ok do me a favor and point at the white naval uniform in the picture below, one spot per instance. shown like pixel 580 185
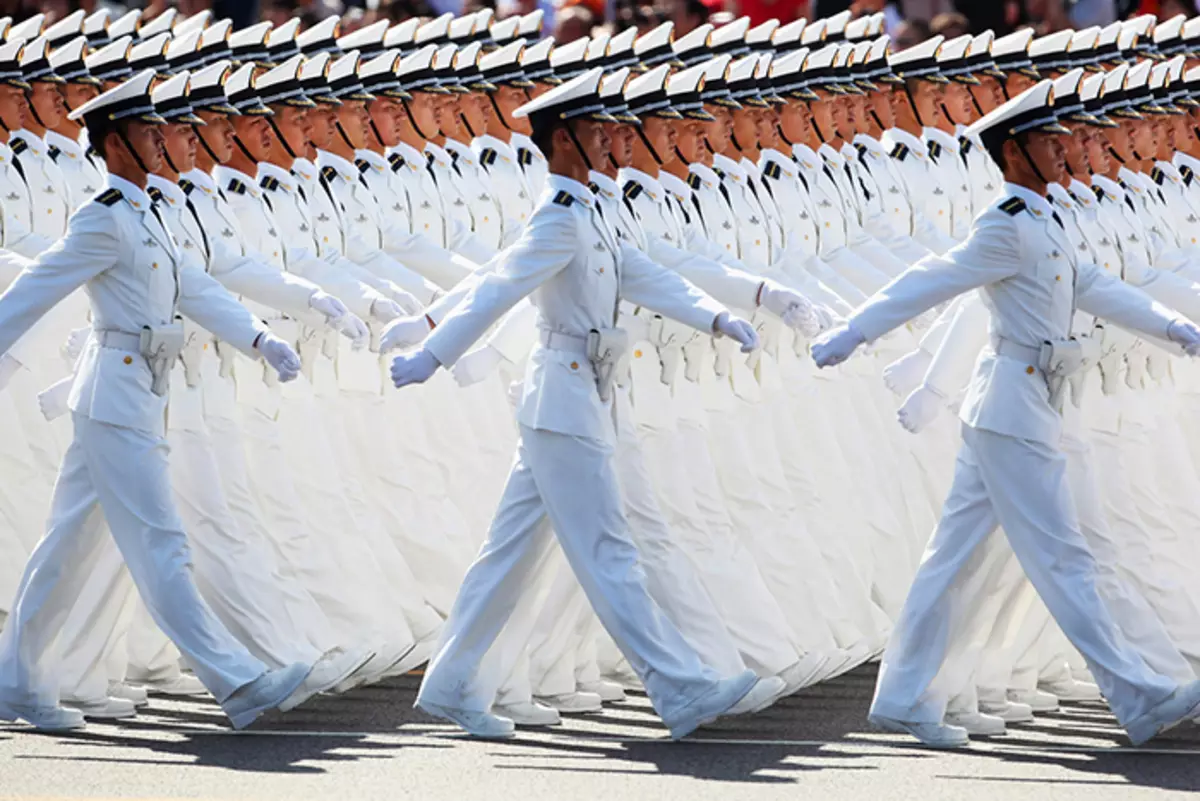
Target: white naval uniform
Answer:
pixel 508 182
pixel 916 173
pixel 576 269
pixel 490 221
pixel 84 177
pixel 532 162
pixel 1010 470
pixel 950 171
pixel 117 462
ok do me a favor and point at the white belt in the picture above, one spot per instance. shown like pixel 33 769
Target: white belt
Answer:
pixel 571 343
pixel 119 340
pixel 1015 350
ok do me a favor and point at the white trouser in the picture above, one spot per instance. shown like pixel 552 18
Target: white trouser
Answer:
pixel 1022 486
pixel 562 486
pixel 121 476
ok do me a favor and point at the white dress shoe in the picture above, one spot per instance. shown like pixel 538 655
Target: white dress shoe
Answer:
pixel 1072 690
pixel 1037 700
pixel 1007 711
pixel 46 718
pixel 626 680
pixel 484 725
pixel 804 673
pixel 1181 705
pixel 576 703
pixel 764 693
pixel 376 668
pixel 718 701
pixel 120 689
pixel 528 713
pixel 268 691
pixel 334 666
pixel 976 724
pixel 609 692
pixel 180 685
pixel 102 708
pixel 935 735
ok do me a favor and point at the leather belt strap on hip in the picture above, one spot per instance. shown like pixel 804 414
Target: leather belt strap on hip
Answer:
pixel 119 340
pixel 1015 350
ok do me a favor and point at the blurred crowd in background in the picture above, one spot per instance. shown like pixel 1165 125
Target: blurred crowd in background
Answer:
pixel 908 21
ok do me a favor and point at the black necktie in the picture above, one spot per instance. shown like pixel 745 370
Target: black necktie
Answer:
pixel 1058 220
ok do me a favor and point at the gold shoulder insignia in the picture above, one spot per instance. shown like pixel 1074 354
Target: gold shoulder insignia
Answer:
pixel 525 155
pixel 632 189
pixel 487 156
pixel 19 146
pixel 899 152
pixel 328 173
pixel 564 198
pixel 187 186
pixel 772 170
pixel 1012 206
pixel 237 187
pixel 109 197
pixel 693 180
pixel 397 161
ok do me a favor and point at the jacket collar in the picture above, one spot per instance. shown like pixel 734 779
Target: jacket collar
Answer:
pixel 344 168
pixel 287 181
pixel 651 185
pixel 560 183
pixel 171 192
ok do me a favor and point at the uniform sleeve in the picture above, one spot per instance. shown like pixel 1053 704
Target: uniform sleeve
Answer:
pixel 203 299
pixel 647 283
pixel 1104 295
pixel 544 249
pixel 1175 291
pixel 990 254
pixel 357 296
pixel 965 335
pixel 420 253
pixel 90 246
pixel 734 288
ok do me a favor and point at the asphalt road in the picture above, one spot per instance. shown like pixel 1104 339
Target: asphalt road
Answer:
pixel 371 744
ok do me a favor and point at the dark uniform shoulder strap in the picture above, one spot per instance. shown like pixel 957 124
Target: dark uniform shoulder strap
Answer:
pixel 54 152
pixel 693 180
pixel 397 161
pixel 155 194
pixel 1012 206
pixel 329 173
pixel 524 155
pixel 109 197
pixel 632 189
pixel 269 183
pixel 362 164
pixel 236 186
pixel 19 146
pixel 187 186
pixel 899 152
pixel 1158 176
pixel 487 156
pixel 772 170
pixel 564 198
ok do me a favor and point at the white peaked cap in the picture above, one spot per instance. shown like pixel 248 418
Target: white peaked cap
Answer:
pixel 1126 38
pixel 369 37
pixel 325 30
pixel 716 67
pixel 1085 38
pixel 1114 79
pixel 1109 34
pixel 1015 42
pixel 878 22
pixel 1031 110
pixel 687 80
pixel 1169 29
pixel 1158 75
pixel 217 32
pixel 730 32
pixel 434 29
pixel 821 58
pixel 460 27
pixel 814 32
pixel 196 22
pixel 281 33
pixel 1052 43
pixel 836 25
pixel 623 41
pixel 1139 75
pixel 954 49
pixel 531 23
pixel 760 35
pixel 569 53
pixel 1175 66
pixel 598 47
pixel 789 33
pixel 160 24
pixel 125 25
pixel 571 96
pixel 538 51
pixel 1140 24
pixel 857 28
pixel 401 35
pixel 1067 84
pixel 68 27
pixel 613 83
pixel 29 29
pixel 254 35
pixel 695 38
pixel 505 29
pixel 919 52
pixel 1191 28
pixel 655 40
pixel 417 61
pixel 982 43
pixel 69 53
pixel 97 21
pixel 1091 86
pixel 879 48
pixel 315 66
pixel 120 99
pixel 648 82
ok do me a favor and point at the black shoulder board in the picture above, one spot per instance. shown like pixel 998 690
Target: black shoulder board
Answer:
pixel 269 183
pixel 564 198
pixel 328 173
pixel 186 185
pixel 965 145
pixel 899 152
pixel 54 152
pixel 487 156
pixel 693 180
pixel 935 150
pixel 1188 175
pixel 236 186
pixel 109 197
pixel 1157 175
pixel 1012 206
pixel 524 155
pixel 632 189
pixel 362 164
pixel 1098 192
pixel 155 194
pixel 429 158
pixel 595 187
pixel 397 161
pixel 862 151
pixel 772 170
pixel 19 146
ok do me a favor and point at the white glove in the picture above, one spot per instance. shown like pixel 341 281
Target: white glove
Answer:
pixel 834 347
pixel 790 306
pixel 827 318
pixel 476 365
pixel 1185 334
pixel 404 332
pixel 403 298
pixel 328 305
pixel 53 400
pixel 921 408
pixel 280 356
pixel 906 373
pixel 736 329
pixel 74 344
pixel 385 310
pixel 414 368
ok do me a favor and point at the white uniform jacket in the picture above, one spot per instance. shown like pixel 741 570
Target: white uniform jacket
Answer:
pixel 577 271
pixel 1031 282
pixel 84 177
pixel 131 268
pixel 532 161
pixel 508 183
pixel 49 192
pixel 489 219
pixel 920 186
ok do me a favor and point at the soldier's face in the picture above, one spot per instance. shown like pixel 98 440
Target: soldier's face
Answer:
pixel 745 128
pixel 1097 150
pixel 385 114
pixel 1017 83
pixel 689 139
pixel 989 94
pixel 1076 147
pixel 793 119
pixel 821 112
pixel 180 142
pixel 256 135
pixel 293 123
pixel 928 97
pixel 322 124
pixel 661 134
pixel 767 130
pixel 957 100
pixel 717 132
pixel 352 115
pixel 76 94
pixel 1048 153
pixel 147 141
pixel 218 135
pixel 422 109
pixel 511 98
pixel 445 112
pixel 622 136
pixel 1145 137
pixel 593 139
pixel 14 107
pixel 48 102
pixel 882 106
